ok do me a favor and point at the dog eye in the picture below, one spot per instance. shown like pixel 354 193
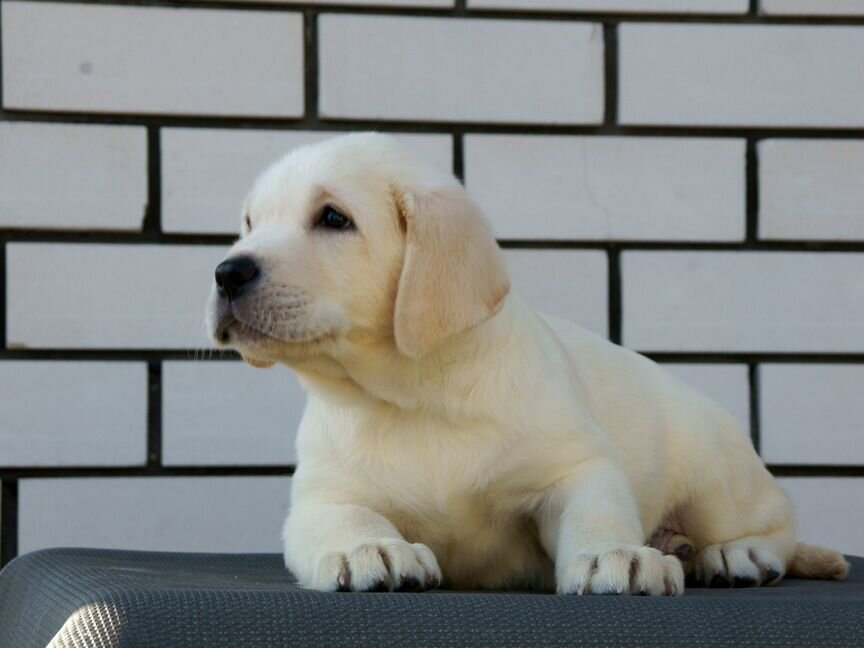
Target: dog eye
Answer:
pixel 332 219
pixel 248 222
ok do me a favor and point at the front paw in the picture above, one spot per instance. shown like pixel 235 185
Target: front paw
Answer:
pixel 621 570
pixel 384 565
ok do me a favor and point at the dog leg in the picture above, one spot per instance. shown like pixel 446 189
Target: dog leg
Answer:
pixel 589 524
pixel 741 521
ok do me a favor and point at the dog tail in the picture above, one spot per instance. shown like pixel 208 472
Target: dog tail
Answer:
pixel 816 562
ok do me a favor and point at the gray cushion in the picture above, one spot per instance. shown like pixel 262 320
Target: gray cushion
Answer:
pixel 113 599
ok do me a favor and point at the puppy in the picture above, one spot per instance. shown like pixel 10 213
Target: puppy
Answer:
pixel 454 435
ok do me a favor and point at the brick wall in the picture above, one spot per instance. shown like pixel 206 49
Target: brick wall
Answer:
pixel 682 176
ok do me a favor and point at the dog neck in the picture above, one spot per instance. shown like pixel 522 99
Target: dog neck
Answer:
pixel 445 381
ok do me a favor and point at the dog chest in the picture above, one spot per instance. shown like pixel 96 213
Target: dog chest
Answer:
pixel 479 536
pixel 450 488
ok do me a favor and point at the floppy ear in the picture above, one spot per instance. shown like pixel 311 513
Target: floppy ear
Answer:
pixel 453 275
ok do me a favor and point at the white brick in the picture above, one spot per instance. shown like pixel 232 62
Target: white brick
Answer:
pixel 211 514
pixel 108 296
pixel 206 173
pixel 750 75
pixel 811 189
pixel 227 413
pixel 643 188
pixel 381 3
pixel 727 385
pixel 66 176
pixel 653 6
pixel 811 414
pixel 445 69
pixel 152 60
pixel 812 7
pixel 829 511
pixel 363 3
pixel 564 283
pixel 73 413
pixel 742 301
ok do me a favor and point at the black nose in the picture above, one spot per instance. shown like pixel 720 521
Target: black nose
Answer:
pixel 233 275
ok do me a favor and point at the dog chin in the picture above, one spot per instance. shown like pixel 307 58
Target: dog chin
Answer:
pixel 261 350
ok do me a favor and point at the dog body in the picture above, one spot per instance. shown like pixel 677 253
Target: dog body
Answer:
pixel 516 419
pixel 453 433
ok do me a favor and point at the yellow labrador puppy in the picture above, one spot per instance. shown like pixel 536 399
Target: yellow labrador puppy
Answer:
pixel 453 434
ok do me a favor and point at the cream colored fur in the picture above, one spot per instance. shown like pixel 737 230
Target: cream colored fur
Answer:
pixel 454 433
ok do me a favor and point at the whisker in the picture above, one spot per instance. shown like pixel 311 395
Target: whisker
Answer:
pixel 272 325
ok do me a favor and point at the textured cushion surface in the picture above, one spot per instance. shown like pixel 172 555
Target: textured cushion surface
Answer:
pixel 113 599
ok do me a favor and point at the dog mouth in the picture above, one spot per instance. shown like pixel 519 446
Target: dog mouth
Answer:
pixel 274 321
pixel 232 331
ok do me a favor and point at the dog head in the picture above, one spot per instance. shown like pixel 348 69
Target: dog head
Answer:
pixel 354 241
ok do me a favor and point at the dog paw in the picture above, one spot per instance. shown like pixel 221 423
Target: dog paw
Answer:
pixel 622 570
pixel 385 565
pixel 743 563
